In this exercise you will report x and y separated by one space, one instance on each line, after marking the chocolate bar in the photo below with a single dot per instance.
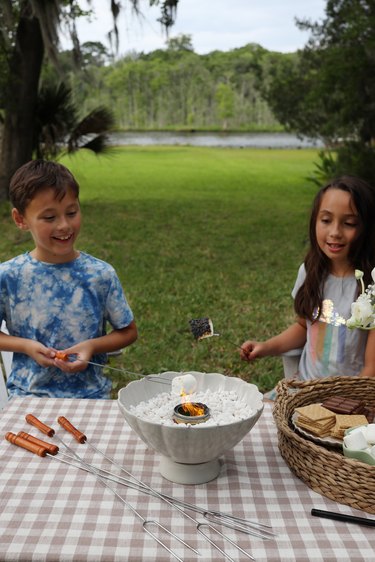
343 405
369 412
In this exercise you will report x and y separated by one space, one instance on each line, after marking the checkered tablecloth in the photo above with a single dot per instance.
53 512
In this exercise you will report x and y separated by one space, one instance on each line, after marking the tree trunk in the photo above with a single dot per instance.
25 67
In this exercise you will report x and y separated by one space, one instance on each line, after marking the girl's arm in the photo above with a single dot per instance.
292 338
369 366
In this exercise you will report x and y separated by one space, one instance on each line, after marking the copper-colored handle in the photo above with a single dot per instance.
50 447
62 356
32 420
20 442
78 435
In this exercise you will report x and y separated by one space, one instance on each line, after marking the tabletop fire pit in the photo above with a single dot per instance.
191 412
191 432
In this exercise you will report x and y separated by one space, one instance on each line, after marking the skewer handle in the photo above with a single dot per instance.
50 447
32 420
78 435
28 445
62 356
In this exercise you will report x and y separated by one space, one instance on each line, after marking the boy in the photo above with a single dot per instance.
56 298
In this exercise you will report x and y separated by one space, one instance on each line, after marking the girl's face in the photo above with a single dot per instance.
337 226
54 225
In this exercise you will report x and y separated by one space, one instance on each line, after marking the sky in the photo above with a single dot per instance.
212 24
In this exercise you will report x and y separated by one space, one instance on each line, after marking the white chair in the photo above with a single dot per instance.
5 367
291 362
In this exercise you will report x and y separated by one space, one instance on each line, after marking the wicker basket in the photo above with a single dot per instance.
324 469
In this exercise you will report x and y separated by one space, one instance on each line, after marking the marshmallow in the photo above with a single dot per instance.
356 440
184 384
370 433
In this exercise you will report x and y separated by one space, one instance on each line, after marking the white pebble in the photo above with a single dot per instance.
225 407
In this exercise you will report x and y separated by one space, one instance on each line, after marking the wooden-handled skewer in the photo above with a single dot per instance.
51 448
39 450
78 435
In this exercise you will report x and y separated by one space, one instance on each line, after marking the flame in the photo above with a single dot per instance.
193 409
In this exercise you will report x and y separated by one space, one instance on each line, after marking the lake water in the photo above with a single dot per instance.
234 140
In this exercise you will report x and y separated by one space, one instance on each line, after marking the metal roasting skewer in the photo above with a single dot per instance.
42 449
231 521
81 438
32 420
199 525
145 522
152 378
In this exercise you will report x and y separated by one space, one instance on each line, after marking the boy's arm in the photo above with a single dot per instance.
40 353
293 337
117 339
113 341
369 366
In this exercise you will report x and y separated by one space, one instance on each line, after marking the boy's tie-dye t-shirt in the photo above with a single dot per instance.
60 305
331 348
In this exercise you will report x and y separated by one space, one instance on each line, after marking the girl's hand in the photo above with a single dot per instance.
251 350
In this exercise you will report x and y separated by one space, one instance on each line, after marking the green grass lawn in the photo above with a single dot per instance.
195 232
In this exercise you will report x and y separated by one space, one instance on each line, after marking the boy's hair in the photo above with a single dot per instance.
36 175
362 251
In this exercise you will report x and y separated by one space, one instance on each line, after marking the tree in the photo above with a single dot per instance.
328 90
181 42
28 32
58 126
225 101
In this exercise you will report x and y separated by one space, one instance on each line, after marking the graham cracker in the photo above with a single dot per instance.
315 412
320 428
345 421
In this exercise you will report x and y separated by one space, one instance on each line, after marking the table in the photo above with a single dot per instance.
53 512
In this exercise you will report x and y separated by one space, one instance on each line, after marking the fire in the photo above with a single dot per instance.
192 409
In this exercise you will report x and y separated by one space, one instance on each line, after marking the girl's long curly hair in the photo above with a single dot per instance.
362 251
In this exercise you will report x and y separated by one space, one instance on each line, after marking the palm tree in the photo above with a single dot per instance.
28 32
58 127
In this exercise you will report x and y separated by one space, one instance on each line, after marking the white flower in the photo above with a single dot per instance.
363 309
359 275
362 313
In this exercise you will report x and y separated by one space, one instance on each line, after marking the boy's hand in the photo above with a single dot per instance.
73 359
43 355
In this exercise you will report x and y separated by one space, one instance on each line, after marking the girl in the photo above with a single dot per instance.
342 239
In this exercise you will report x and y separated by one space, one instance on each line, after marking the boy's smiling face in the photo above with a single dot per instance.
54 225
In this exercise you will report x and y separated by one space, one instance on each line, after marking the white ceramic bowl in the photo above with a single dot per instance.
186 445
